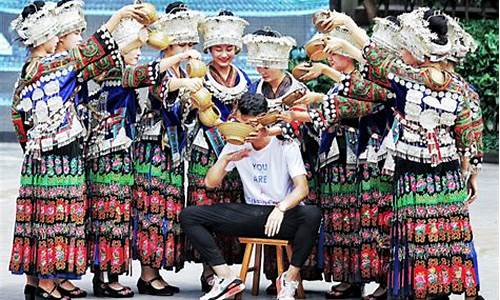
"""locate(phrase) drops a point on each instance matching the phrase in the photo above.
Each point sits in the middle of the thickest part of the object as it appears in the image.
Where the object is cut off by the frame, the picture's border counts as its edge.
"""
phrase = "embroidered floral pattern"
(109, 181)
(159, 195)
(432, 236)
(49, 233)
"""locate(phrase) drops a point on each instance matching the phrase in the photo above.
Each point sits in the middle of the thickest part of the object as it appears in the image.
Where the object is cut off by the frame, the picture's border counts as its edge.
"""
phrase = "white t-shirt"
(267, 173)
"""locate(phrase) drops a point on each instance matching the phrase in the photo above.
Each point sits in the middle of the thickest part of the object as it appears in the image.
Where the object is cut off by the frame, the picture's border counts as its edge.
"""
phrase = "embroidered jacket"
(433, 122)
(46, 94)
(342, 102)
(166, 118)
(114, 107)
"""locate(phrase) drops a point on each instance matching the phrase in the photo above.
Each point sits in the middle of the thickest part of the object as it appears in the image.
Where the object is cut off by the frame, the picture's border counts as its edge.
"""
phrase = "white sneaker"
(224, 288)
(286, 289)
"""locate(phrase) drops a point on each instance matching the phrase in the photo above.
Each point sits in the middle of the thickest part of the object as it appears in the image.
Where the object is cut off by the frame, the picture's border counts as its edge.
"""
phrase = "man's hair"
(252, 105)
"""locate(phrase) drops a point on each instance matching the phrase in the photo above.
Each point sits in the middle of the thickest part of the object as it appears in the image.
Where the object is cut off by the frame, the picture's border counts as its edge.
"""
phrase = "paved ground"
(484, 218)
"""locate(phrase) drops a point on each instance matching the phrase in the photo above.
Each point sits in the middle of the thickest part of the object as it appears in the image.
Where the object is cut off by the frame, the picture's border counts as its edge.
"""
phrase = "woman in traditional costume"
(349, 200)
(113, 111)
(159, 168)
(432, 253)
(49, 236)
(226, 82)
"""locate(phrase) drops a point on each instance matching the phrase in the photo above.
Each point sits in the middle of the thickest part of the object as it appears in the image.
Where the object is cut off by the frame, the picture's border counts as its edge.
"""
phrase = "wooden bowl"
(314, 50)
(293, 96)
(299, 70)
(195, 68)
(268, 119)
(202, 99)
(210, 117)
(150, 11)
(159, 40)
(235, 133)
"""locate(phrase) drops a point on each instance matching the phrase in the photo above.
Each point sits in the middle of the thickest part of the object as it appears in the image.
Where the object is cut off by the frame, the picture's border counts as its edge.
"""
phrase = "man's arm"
(218, 171)
(275, 218)
(299, 192)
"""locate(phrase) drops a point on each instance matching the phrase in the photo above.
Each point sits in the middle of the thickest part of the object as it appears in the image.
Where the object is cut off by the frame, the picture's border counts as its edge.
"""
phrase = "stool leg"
(244, 266)
(256, 272)
(279, 259)
(300, 290)
(246, 262)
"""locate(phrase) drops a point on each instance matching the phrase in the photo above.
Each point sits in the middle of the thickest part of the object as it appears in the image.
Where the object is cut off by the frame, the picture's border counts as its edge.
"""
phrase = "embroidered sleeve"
(159, 90)
(464, 134)
(287, 131)
(94, 49)
(101, 66)
(477, 126)
(356, 87)
(380, 63)
(20, 126)
(141, 75)
(335, 107)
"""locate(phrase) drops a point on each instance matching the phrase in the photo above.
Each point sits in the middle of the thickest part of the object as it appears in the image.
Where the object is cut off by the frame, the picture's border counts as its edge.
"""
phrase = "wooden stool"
(258, 242)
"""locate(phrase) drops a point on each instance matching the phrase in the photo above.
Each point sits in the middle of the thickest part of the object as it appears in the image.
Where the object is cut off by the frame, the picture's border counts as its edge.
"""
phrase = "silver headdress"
(38, 27)
(416, 37)
(268, 51)
(181, 27)
(462, 42)
(70, 17)
(130, 34)
(386, 34)
(219, 30)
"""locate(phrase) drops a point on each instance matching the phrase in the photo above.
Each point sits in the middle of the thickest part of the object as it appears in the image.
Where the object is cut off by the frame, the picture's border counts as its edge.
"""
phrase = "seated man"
(274, 183)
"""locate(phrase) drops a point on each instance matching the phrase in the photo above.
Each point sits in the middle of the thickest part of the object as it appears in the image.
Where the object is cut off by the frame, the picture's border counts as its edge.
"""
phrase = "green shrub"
(481, 70)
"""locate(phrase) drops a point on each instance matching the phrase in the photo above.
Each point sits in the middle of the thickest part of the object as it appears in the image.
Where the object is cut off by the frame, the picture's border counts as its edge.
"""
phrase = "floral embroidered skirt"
(109, 189)
(49, 232)
(231, 191)
(375, 200)
(341, 222)
(158, 194)
(431, 234)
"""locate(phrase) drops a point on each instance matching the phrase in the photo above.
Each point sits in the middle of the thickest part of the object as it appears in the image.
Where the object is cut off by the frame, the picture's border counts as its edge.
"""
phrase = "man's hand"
(472, 189)
(273, 223)
(237, 155)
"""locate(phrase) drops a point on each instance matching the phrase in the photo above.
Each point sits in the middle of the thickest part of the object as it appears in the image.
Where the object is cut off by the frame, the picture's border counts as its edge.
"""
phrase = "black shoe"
(379, 297)
(206, 283)
(353, 291)
(29, 292)
(76, 292)
(102, 289)
(146, 287)
(272, 290)
(41, 294)
(441, 297)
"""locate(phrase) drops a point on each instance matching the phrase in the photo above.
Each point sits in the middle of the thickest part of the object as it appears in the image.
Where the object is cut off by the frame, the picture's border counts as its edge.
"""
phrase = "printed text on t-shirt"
(261, 170)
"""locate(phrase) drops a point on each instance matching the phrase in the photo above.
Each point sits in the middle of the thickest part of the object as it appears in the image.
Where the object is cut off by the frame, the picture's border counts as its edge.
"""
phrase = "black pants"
(299, 225)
